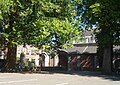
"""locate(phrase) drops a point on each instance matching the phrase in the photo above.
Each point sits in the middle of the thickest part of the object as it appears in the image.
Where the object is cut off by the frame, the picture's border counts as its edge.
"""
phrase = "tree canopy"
(36, 21)
(105, 16)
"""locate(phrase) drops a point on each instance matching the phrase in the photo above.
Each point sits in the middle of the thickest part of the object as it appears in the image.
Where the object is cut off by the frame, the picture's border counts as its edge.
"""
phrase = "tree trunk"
(107, 60)
(11, 58)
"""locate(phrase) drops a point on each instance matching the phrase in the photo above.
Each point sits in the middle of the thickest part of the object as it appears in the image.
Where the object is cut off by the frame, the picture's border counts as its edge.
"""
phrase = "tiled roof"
(83, 49)
(90, 48)
(87, 48)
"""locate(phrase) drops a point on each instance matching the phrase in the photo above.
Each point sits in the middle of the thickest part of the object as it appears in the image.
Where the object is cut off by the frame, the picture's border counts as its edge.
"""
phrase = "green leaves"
(37, 21)
(95, 9)
(103, 14)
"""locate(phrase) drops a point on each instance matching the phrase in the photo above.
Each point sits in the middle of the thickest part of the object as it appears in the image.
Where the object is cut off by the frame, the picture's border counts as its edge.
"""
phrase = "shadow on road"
(112, 77)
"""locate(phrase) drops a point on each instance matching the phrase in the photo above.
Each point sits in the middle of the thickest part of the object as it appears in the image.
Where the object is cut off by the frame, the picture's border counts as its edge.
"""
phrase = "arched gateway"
(63, 59)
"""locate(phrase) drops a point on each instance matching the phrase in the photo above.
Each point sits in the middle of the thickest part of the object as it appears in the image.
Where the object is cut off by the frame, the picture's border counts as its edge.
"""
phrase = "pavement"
(59, 78)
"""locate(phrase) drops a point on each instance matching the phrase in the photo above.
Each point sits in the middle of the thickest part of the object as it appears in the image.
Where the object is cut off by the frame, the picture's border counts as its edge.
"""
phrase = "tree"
(8, 17)
(35, 22)
(104, 15)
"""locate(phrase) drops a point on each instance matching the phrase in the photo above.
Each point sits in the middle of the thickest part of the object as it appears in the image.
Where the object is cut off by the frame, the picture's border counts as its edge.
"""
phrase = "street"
(64, 78)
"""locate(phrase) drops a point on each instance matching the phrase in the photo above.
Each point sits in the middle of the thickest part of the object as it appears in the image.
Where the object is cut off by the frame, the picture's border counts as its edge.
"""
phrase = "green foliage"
(105, 15)
(37, 21)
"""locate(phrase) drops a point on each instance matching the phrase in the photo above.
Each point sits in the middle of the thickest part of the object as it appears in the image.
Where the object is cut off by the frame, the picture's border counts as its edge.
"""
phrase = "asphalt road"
(64, 78)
